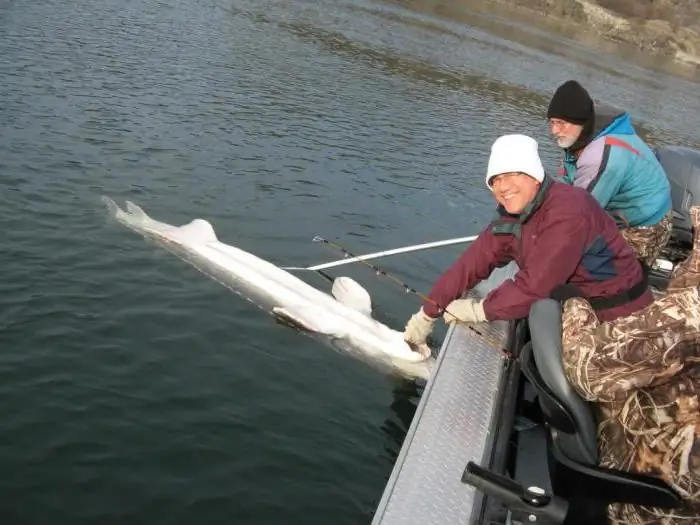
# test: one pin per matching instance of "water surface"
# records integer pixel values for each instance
(136, 390)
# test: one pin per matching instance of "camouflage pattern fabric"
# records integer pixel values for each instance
(648, 241)
(642, 375)
(687, 273)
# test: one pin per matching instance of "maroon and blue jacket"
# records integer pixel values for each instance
(564, 239)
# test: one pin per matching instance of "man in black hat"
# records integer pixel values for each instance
(604, 155)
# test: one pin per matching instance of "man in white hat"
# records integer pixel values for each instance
(557, 234)
(636, 360)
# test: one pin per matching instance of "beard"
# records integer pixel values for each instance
(566, 142)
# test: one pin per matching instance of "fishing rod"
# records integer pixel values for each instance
(378, 271)
(385, 253)
(406, 288)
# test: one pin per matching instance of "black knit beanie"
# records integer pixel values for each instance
(571, 102)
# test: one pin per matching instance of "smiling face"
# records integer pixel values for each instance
(566, 133)
(514, 190)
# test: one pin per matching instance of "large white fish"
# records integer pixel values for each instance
(343, 319)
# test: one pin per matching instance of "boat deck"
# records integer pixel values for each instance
(451, 426)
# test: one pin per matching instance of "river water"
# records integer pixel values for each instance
(133, 389)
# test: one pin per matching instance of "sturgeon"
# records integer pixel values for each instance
(342, 318)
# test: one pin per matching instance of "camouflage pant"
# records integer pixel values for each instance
(643, 374)
(687, 273)
(648, 241)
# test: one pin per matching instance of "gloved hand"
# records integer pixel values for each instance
(464, 311)
(418, 328)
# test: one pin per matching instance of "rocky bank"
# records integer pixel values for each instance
(667, 27)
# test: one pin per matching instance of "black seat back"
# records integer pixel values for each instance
(682, 167)
(564, 409)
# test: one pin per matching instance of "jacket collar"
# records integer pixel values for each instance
(510, 223)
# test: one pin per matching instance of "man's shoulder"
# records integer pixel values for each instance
(592, 154)
(560, 188)
(574, 206)
(569, 199)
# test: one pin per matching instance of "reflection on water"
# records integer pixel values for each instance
(406, 395)
(469, 34)
(514, 22)
(493, 91)
(422, 70)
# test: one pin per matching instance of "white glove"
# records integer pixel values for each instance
(418, 328)
(464, 311)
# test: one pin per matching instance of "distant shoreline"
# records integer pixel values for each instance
(655, 37)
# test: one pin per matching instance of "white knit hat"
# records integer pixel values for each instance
(511, 153)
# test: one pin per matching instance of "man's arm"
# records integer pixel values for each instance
(607, 186)
(596, 174)
(476, 263)
(552, 260)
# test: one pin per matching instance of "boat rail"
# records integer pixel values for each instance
(454, 423)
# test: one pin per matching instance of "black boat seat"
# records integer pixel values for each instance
(563, 408)
(582, 489)
(572, 428)
(682, 167)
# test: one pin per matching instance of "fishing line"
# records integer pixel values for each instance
(407, 289)
(377, 270)
(325, 275)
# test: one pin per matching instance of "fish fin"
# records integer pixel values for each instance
(112, 207)
(196, 231)
(136, 211)
(309, 319)
(350, 293)
(199, 231)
